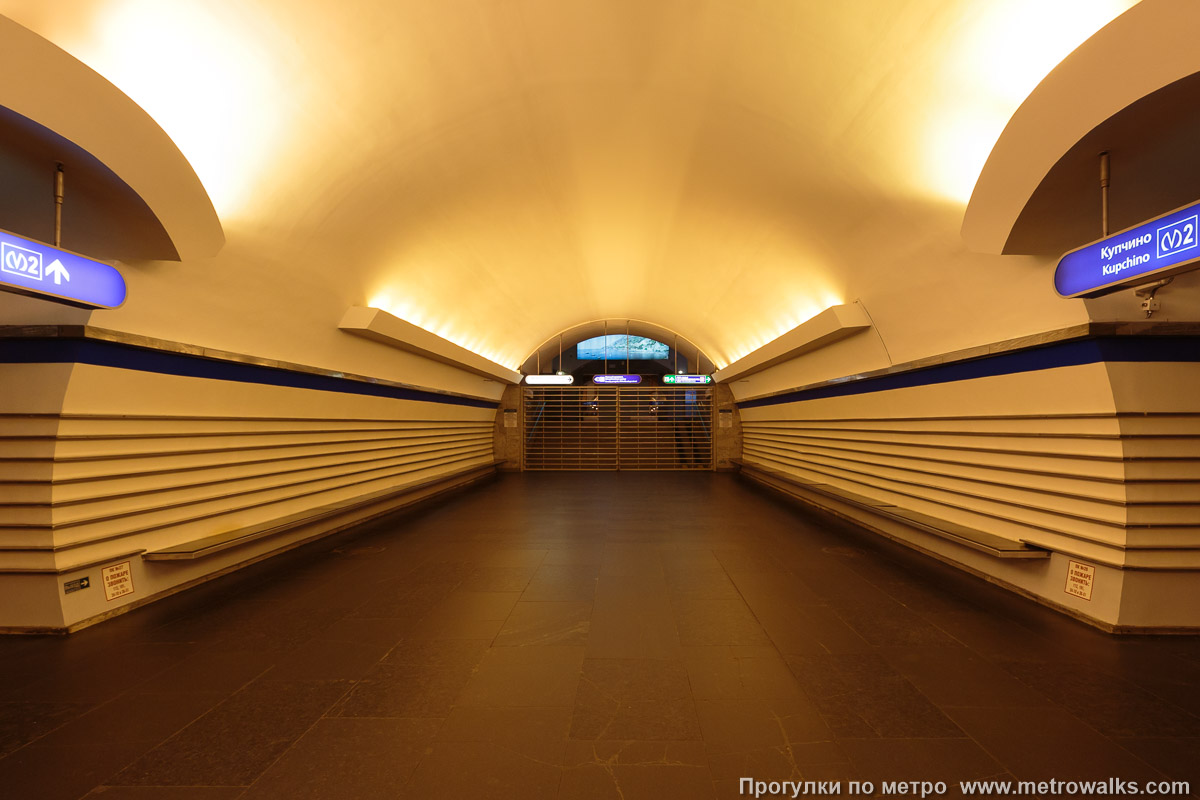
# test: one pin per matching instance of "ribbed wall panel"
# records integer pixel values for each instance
(94, 484)
(1094, 485)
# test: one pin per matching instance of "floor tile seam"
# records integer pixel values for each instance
(151, 744)
(1103, 736)
(1158, 696)
(315, 722)
(1067, 710)
(782, 657)
(117, 771)
(119, 696)
(52, 730)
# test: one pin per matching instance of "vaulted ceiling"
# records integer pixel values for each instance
(498, 171)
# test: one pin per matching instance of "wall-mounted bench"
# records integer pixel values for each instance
(388, 499)
(812, 493)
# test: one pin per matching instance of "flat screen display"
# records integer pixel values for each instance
(613, 347)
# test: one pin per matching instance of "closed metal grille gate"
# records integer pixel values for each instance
(609, 428)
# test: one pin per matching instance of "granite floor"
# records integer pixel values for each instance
(604, 635)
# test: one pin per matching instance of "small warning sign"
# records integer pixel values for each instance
(1080, 578)
(724, 418)
(76, 585)
(118, 580)
(510, 418)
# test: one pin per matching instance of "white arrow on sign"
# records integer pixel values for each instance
(58, 271)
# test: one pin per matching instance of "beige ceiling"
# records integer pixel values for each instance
(498, 171)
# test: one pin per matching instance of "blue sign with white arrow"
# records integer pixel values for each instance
(39, 269)
(1158, 248)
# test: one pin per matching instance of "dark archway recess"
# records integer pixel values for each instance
(1151, 145)
(102, 216)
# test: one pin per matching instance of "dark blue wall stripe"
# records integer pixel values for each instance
(1062, 354)
(122, 356)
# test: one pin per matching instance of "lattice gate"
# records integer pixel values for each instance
(611, 428)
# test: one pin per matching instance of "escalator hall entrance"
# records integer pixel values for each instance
(618, 428)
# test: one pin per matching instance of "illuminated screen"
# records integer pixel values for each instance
(614, 347)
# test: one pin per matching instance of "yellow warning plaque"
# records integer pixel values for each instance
(1080, 578)
(118, 580)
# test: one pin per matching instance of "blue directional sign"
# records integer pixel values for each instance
(621, 379)
(1158, 248)
(36, 268)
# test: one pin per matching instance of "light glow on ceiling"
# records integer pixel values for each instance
(1002, 53)
(212, 76)
(801, 311)
(409, 312)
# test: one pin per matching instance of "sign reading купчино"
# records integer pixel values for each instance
(1155, 249)
(39, 269)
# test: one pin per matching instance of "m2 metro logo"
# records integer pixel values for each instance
(1154, 249)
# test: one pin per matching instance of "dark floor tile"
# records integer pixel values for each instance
(441, 575)
(736, 560)
(386, 631)
(1174, 757)
(575, 554)
(1112, 706)
(546, 623)
(632, 623)
(498, 579)
(454, 653)
(536, 733)
(327, 660)
(781, 760)
(477, 605)
(562, 582)
(211, 671)
(525, 676)
(702, 583)
(1044, 743)
(733, 726)
(730, 673)
(716, 621)
(995, 637)
(954, 676)
(405, 599)
(393, 690)
(611, 778)
(933, 760)
(21, 722)
(348, 758)
(165, 793)
(236, 741)
(812, 630)
(450, 625)
(482, 771)
(861, 696)
(775, 591)
(62, 773)
(630, 559)
(135, 717)
(883, 622)
(690, 559)
(634, 699)
(104, 677)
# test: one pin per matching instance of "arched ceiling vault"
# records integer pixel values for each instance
(496, 170)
